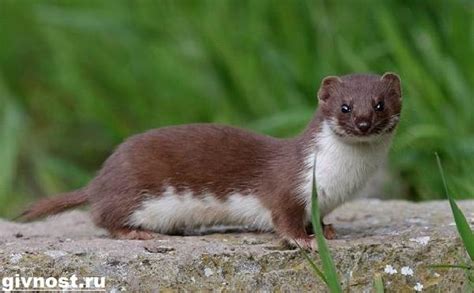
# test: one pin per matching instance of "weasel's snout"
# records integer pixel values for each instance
(363, 126)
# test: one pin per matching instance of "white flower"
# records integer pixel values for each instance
(406, 271)
(15, 258)
(418, 287)
(390, 270)
(421, 240)
(208, 272)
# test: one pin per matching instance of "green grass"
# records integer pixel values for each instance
(328, 273)
(327, 261)
(464, 231)
(378, 284)
(77, 77)
(461, 222)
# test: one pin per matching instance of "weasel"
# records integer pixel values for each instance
(173, 179)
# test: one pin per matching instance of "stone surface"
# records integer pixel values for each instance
(371, 235)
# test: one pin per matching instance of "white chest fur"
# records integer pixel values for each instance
(342, 168)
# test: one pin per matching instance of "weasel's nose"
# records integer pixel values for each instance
(363, 126)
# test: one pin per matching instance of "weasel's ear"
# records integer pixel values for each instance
(327, 86)
(393, 81)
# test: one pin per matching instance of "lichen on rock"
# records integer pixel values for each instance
(372, 235)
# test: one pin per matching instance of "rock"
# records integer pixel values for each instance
(372, 235)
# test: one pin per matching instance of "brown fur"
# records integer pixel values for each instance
(54, 205)
(220, 159)
(361, 92)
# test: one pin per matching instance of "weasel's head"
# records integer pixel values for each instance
(361, 107)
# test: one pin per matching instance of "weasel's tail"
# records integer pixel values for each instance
(54, 205)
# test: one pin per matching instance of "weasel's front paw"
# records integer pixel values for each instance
(133, 234)
(308, 243)
(329, 232)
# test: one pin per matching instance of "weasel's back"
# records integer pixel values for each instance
(196, 156)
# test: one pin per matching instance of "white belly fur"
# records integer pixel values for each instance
(342, 169)
(172, 212)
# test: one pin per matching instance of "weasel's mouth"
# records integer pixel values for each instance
(352, 133)
(368, 132)
(374, 131)
(345, 129)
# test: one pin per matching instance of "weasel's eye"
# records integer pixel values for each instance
(345, 108)
(379, 106)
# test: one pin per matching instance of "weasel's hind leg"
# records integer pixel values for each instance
(127, 233)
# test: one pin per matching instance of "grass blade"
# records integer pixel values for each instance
(326, 258)
(461, 223)
(313, 265)
(464, 267)
(378, 284)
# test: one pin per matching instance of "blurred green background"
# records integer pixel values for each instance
(77, 77)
